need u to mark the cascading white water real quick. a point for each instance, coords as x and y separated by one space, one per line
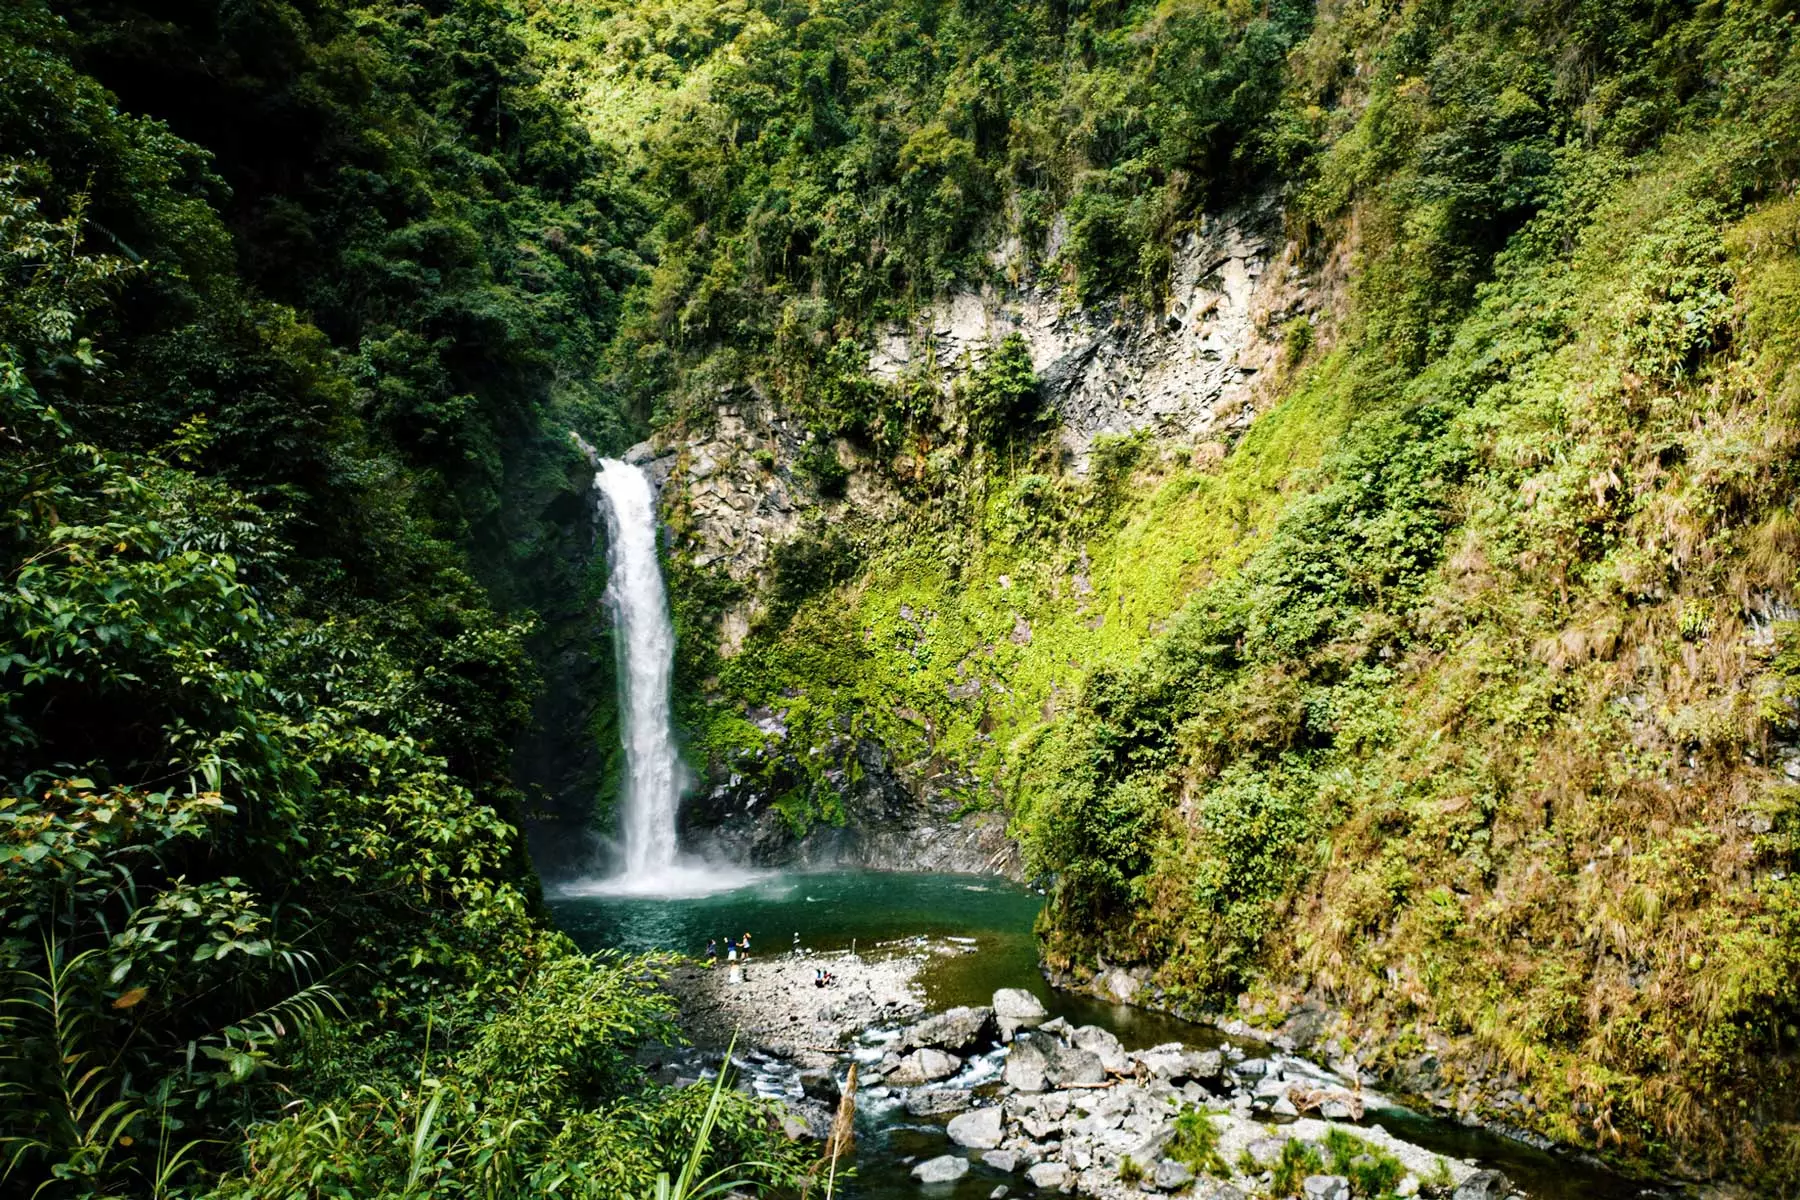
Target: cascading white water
645 642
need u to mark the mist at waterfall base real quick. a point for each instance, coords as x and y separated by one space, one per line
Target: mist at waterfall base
647 855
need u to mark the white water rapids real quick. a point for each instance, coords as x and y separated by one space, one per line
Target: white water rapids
644 646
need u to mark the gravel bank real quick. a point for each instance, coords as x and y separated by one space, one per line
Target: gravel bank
776 1005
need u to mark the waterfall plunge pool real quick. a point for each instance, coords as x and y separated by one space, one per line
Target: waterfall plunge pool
991 919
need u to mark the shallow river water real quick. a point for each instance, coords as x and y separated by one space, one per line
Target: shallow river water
991 921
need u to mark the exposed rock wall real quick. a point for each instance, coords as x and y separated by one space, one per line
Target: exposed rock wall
1189 372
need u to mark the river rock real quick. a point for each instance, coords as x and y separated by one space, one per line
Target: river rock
924 1066
1065 1065
959 1030
1171 1175
820 1084
1325 1187
1048 1176
1002 1160
1102 1044
945 1168
1016 1009
1484 1185
978 1130
937 1102
1025 1067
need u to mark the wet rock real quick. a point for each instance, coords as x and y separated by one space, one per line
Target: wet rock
1102 1044
1048 1176
1484 1185
978 1130
998 1193
945 1168
924 1066
1171 1175
959 1030
1002 1160
1325 1187
1026 1065
1016 1009
937 1102
820 1084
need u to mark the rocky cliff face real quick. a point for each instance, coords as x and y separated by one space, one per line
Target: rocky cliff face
734 494
1188 372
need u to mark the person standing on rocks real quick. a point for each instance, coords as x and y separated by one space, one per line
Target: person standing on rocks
746 945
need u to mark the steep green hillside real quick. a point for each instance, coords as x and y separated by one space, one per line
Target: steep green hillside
1456 696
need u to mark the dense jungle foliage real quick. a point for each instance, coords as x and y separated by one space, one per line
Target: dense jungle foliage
286 292
1458 693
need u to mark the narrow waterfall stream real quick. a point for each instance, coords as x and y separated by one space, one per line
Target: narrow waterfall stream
644 642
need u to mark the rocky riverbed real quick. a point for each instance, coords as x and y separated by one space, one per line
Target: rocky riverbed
1057 1109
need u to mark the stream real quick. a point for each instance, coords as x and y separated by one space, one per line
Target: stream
977 933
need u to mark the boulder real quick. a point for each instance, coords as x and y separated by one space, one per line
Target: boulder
1266 1151
1016 1009
1205 1064
945 1168
1325 1187
924 1066
819 1083
937 1102
958 1031
1102 1044
1065 1065
1025 1065
1048 1176
1171 1175
1484 1185
1002 1160
978 1129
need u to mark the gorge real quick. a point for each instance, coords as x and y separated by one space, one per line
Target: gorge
1262 530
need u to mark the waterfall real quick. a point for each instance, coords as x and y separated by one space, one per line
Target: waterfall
644 640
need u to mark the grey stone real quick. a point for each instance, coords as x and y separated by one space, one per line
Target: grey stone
1102 1044
1170 1175
998 1193
1065 1065
1483 1185
1283 1107
978 1129
1325 1187
1048 1176
1002 1160
924 1066
1016 1009
937 1102
959 1030
1055 1025
945 1168
1205 1064
1025 1065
